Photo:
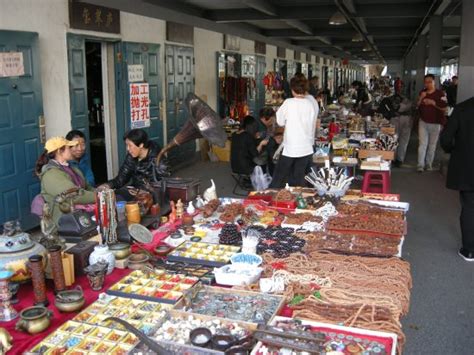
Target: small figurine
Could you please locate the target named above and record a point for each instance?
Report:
(190, 210)
(49, 230)
(210, 193)
(179, 209)
(172, 216)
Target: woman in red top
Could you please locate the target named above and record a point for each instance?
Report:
(432, 105)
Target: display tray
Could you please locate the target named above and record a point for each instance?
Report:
(175, 348)
(239, 305)
(354, 340)
(159, 286)
(88, 332)
(203, 253)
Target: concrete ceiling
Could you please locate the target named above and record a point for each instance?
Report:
(389, 28)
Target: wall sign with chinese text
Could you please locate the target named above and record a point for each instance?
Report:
(135, 73)
(11, 64)
(85, 16)
(139, 105)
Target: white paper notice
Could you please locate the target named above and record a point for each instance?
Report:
(11, 64)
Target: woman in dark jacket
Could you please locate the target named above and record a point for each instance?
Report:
(457, 139)
(244, 147)
(139, 168)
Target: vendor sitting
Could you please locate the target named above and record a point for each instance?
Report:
(57, 176)
(272, 133)
(139, 168)
(244, 149)
(79, 157)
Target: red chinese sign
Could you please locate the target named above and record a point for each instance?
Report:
(139, 105)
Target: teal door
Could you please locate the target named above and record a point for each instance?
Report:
(76, 46)
(147, 55)
(20, 145)
(260, 88)
(179, 63)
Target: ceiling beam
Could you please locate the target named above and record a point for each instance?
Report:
(391, 10)
(299, 25)
(263, 6)
(435, 5)
(295, 33)
(283, 13)
(345, 10)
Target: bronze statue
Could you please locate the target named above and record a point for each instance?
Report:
(49, 230)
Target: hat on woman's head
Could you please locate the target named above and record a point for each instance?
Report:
(55, 143)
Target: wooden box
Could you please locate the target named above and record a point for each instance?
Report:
(177, 348)
(81, 252)
(386, 155)
(181, 304)
(184, 189)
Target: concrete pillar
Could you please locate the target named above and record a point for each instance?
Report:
(420, 63)
(436, 47)
(466, 53)
(408, 67)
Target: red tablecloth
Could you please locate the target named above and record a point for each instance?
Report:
(24, 341)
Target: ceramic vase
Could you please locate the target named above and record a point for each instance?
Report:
(102, 253)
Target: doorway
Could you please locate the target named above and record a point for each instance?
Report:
(92, 67)
(95, 101)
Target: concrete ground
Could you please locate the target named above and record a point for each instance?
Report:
(441, 318)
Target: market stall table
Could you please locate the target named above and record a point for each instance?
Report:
(23, 341)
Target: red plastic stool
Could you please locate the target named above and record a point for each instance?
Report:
(376, 182)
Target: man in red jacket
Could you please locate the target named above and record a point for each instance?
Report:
(432, 105)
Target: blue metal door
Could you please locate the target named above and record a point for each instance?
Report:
(147, 55)
(76, 47)
(20, 145)
(179, 63)
(260, 88)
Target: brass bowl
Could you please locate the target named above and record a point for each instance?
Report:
(120, 250)
(70, 300)
(162, 250)
(136, 261)
(34, 320)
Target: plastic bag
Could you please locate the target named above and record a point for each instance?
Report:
(260, 181)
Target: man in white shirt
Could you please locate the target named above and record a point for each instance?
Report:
(299, 117)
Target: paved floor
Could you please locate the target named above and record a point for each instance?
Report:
(441, 318)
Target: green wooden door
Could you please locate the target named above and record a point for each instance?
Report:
(179, 63)
(78, 84)
(21, 106)
(260, 88)
(148, 55)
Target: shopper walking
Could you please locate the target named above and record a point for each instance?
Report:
(298, 116)
(432, 105)
(457, 140)
(403, 122)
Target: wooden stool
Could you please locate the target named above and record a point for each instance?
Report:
(376, 182)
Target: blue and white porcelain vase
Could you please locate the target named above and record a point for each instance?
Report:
(102, 253)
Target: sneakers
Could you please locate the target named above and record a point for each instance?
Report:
(420, 169)
(430, 168)
(466, 255)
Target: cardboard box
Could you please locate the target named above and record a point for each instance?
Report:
(386, 155)
(223, 154)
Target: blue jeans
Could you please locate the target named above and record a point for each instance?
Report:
(428, 134)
